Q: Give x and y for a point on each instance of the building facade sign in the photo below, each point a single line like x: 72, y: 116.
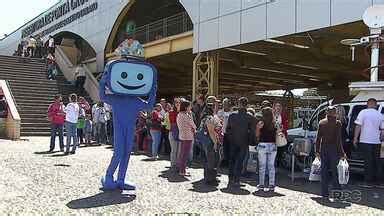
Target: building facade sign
x: 56, y: 14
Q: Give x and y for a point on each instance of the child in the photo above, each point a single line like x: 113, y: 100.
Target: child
x: 80, y: 126
x: 100, y: 115
x: 88, y: 130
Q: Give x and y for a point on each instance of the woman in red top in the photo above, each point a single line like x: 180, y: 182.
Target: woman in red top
x: 174, y: 132
x: 56, y: 116
x: 155, y: 130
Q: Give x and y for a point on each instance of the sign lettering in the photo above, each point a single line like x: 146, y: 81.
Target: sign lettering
x: 57, y: 13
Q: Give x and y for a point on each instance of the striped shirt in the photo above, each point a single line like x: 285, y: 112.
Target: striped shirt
x: 186, y: 126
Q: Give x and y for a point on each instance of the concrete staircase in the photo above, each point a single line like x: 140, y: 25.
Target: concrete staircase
x: 32, y: 92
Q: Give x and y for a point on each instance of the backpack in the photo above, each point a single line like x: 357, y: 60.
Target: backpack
x: 202, y: 134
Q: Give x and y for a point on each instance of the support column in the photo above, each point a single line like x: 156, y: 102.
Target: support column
x: 205, y: 74
x: 100, y: 62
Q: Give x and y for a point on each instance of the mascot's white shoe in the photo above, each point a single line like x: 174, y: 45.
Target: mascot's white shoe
x: 126, y: 186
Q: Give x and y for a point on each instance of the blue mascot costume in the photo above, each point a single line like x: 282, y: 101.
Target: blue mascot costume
x: 126, y: 80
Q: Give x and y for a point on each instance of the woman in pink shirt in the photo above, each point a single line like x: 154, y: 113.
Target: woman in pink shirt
x: 187, y: 129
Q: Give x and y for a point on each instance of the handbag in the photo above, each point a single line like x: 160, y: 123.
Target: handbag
x: 202, y: 135
x: 280, y: 139
x: 382, y: 150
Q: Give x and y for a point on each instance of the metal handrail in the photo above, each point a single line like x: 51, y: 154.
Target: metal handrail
x: 10, y: 91
x: 173, y: 25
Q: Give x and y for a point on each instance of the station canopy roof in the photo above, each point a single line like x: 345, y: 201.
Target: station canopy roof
x: 314, y: 59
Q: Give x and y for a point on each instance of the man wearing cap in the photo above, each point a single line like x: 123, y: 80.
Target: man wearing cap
x: 370, y: 126
x: 329, y: 149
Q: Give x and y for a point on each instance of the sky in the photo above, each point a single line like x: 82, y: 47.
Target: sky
x: 15, y: 13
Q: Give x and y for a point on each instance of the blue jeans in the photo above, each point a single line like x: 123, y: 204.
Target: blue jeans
x: 56, y: 128
x: 71, y: 130
x: 156, y: 138
x: 101, y: 135
x: 267, y: 155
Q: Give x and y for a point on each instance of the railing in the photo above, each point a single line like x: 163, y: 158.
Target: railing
x: 13, y: 121
x: 173, y: 25
x: 10, y: 92
x: 91, y: 84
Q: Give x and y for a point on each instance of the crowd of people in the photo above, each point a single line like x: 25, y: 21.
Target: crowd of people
x: 83, y: 124
x: 218, y: 133
x: 34, y: 47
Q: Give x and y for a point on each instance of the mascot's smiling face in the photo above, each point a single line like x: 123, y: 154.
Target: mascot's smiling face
x: 131, y: 78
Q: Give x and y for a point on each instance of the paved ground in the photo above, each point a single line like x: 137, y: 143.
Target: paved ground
x: 51, y: 184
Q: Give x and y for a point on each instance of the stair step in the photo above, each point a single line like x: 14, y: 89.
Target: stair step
x: 32, y: 91
x: 34, y: 116
x: 34, y: 125
x: 19, y: 58
x: 36, y: 129
x: 22, y: 67
x: 16, y: 87
x: 33, y: 82
x: 21, y: 98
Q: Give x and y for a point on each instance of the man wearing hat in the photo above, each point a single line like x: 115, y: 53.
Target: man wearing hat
x: 329, y: 149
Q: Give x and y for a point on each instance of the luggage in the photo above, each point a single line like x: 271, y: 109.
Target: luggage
x: 343, y: 172
x: 315, y: 174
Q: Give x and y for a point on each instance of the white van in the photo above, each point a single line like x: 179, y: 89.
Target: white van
x: 352, y: 109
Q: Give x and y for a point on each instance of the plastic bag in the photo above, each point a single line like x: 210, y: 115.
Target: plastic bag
x: 343, y: 172
x: 315, y: 174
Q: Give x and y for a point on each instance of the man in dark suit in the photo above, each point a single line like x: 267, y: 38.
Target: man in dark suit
x: 241, y: 132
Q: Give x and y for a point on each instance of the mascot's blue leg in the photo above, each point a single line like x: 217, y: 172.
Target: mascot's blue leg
x: 108, y: 182
x: 126, y: 153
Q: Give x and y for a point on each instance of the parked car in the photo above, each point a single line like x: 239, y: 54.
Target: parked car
x: 352, y: 109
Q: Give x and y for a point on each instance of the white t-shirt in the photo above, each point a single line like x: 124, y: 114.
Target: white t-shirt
x: 371, y: 122
x: 51, y: 42
x: 72, y: 111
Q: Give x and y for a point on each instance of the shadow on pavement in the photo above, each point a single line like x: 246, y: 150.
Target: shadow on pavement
x: 60, y: 155
x: 105, y: 198
x: 351, y: 193
x: 172, y: 176
x: 62, y: 165
x: 235, y: 191
x: 201, y: 187
x: 267, y: 194
x: 45, y: 152
x: 325, y: 202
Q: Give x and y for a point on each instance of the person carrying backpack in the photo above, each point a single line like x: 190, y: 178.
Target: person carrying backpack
x: 209, y: 137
